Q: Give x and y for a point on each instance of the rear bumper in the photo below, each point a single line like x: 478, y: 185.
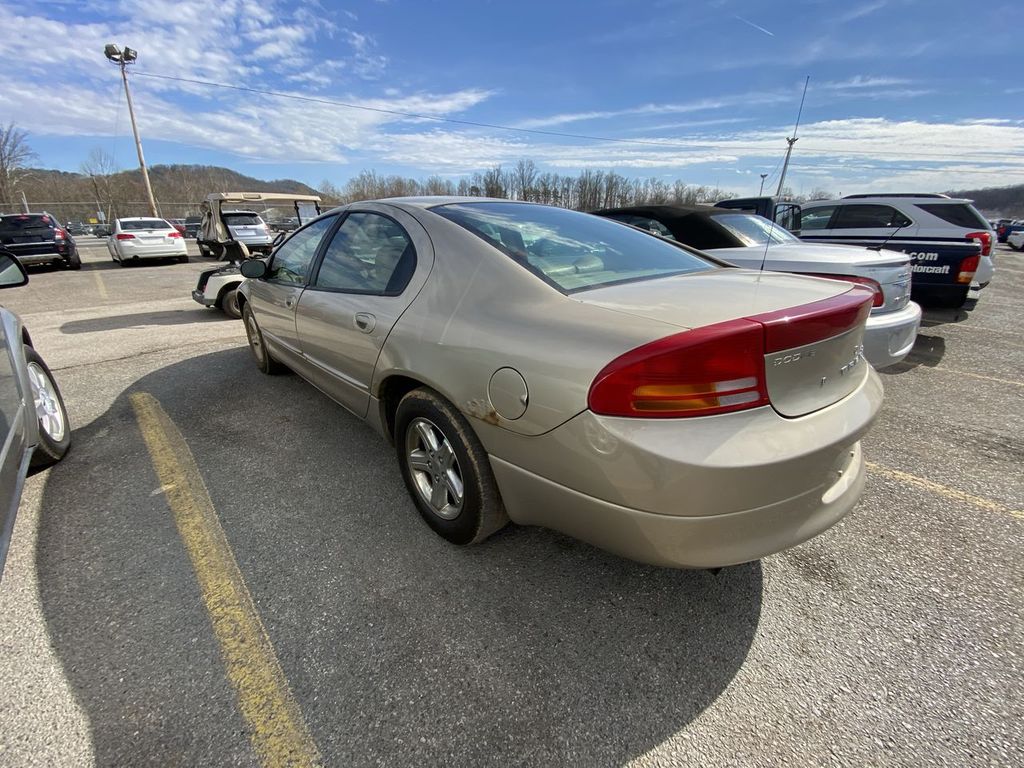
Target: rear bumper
x: 697, y: 493
x: 203, y: 299
x: 685, y: 542
x: 163, y: 253
x: 888, y: 338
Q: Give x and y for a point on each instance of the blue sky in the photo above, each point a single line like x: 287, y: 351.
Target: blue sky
x: 904, y: 95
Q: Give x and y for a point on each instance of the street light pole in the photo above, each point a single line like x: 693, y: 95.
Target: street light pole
x: 761, y: 190
x: 123, y: 59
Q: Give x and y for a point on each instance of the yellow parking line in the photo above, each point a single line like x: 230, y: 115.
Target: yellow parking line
x: 279, y: 733
x: 942, y: 490
x: 100, y: 285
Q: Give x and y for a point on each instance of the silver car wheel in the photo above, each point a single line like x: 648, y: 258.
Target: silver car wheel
x: 434, y: 468
x: 48, y: 410
x: 255, y: 340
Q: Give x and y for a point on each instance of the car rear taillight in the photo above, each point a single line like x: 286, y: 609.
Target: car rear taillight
x: 867, y: 282
x: 125, y: 236
x: 967, y: 269
x: 58, y: 233
x: 984, y: 239
x: 174, y: 234
x: 708, y: 370
x: 718, y: 368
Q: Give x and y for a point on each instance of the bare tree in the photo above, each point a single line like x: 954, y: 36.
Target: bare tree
x: 100, y: 167
x: 15, y: 154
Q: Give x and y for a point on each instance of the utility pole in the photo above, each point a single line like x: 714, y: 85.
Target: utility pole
x: 123, y: 59
x: 761, y: 190
x: 24, y: 202
x: 792, y: 140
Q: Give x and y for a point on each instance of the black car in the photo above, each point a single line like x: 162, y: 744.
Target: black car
x: 192, y: 224
x: 37, y: 238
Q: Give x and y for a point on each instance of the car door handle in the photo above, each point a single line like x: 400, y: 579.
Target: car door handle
x: 289, y: 302
x: 365, y: 322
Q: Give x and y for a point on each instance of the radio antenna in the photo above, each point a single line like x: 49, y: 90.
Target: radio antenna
x: 792, y: 140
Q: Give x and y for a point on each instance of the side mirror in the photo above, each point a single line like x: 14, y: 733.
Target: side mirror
x: 254, y: 269
x: 12, y: 273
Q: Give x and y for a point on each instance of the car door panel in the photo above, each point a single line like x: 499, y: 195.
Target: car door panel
x: 275, y: 297
x: 341, y: 332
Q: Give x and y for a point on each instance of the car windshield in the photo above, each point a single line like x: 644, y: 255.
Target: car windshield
x: 24, y: 221
x: 569, y: 250
x: 754, y: 230
x: 241, y: 219
x: 128, y: 225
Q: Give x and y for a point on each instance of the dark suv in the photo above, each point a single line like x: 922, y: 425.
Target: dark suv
x: 37, y: 238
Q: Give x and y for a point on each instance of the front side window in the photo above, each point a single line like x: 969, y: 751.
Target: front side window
x: 754, y: 230
x: 569, y: 250
x: 369, y: 253
x: 816, y: 218
x: 291, y: 261
x: 866, y: 216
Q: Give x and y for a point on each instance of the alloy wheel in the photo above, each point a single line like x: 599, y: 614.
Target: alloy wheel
x: 434, y: 468
x: 47, y: 405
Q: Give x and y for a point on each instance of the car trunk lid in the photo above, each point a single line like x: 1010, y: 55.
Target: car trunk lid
x: 813, y: 329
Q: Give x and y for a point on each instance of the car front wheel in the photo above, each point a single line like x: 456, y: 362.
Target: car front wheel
x: 257, y: 346
x: 446, y: 469
x: 51, y: 414
x: 229, y: 303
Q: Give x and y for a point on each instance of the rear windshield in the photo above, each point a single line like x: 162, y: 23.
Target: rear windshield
x: 22, y: 222
x: 569, y: 250
x: 754, y: 230
x: 236, y: 219
x: 128, y: 225
x: 958, y: 214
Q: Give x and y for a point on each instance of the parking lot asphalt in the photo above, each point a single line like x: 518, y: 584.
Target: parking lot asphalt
x: 892, y: 639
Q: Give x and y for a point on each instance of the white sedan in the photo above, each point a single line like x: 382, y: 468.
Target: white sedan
x: 138, y: 238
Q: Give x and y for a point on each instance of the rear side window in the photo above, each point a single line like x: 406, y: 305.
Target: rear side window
x: 866, y: 216
x: 15, y: 224
x: 572, y: 251
x: 957, y: 214
x: 643, y: 222
x: 137, y: 224
x: 816, y: 218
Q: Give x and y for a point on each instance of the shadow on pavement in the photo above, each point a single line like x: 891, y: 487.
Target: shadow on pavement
x: 399, y: 648
x: 927, y: 351
x: 144, y: 319
x: 932, y: 316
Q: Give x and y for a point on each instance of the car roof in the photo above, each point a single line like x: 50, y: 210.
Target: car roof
x: 930, y: 199
x: 432, y: 201
x: 140, y: 218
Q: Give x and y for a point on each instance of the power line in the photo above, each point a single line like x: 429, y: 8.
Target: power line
x: 668, y: 143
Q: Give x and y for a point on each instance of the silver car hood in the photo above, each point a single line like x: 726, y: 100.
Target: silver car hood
x: 695, y: 300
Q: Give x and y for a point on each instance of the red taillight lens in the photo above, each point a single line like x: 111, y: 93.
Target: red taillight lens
x: 58, y: 233
x: 125, y: 236
x: 718, y: 368
x: 967, y: 269
x: 708, y: 370
x: 867, y: 282
x: 174, y: 234
x: 984, y: 239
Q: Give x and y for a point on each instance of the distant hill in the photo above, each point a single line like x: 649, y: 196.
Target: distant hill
x: 178, y: 189
x: 996, y: 201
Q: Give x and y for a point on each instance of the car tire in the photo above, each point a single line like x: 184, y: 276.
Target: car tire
x: 51, y: 413
x: 257, y: 346
x: 74, y: 261
x: 229, y: 303
x: 437, y: 447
